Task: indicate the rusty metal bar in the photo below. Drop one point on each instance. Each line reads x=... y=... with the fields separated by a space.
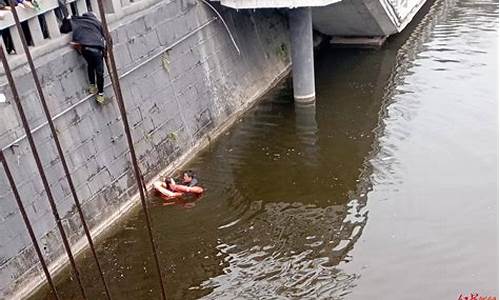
x=123 y=113
x=223 y=23
x=59 y=148
x=38 y=162
x=27 y=221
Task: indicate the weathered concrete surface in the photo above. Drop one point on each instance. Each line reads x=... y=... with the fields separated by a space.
x=173 y=103
x=245 y=4
x=365 y=18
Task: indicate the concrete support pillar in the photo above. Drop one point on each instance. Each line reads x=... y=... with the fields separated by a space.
x=81 y=6
x=52 y=24
x=95 y=7
x=301 y=37
x=36 y=31
x=16 y=40
x=126 y=3
x=115 y=6
x=110 y=6
x=69 y=10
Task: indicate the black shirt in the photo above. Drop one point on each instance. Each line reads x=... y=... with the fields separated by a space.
x=193 y=182
x=87 y=30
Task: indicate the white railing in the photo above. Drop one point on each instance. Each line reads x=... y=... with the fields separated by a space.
x=41 y=26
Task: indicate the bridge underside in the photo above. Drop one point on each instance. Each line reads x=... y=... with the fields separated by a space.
x=254 y=4
x=346 y=18
x=365 y=18
x=354 y=18
x=359 y=22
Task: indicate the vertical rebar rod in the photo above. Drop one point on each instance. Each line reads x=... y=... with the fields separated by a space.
x=39 y=166
x=27 y=222
x=60 y=151
x=137 y=172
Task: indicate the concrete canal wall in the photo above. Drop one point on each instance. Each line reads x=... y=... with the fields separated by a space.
x=176 y=102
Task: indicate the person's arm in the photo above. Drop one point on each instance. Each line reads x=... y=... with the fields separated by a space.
x=160 y=187
x=195 y=189
x=187 y=189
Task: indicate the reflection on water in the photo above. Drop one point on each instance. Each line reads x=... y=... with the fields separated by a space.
x=293 y=253
x=307 y=132
x=305 y=202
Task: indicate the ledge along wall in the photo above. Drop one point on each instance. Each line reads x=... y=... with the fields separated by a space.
x=176 y=102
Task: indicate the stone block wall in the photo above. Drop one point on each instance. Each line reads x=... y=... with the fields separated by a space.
x=173 y=101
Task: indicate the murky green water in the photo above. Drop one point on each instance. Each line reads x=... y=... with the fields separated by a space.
x=387 y=189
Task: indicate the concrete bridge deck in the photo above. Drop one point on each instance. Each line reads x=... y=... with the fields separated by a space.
x=358 y=20
x=346 y=17
x=253 y=4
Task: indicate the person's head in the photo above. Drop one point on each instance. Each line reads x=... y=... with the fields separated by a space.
x=187 y=176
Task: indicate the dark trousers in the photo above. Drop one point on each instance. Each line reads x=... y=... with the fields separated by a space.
x=95 y=66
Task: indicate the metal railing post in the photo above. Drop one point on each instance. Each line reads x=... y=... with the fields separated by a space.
x=121 y=105
x=39 y=166
x=59 y=149
x=27 y=221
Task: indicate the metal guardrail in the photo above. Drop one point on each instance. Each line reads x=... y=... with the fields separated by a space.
x=41 y=25
x=22 y=44
x=41 y=171
x=111 y=64
x=59 y=151
x=115 y=82
x=22 y=210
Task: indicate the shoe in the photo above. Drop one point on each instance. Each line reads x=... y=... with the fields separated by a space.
x=100 y=98
x=92 y=89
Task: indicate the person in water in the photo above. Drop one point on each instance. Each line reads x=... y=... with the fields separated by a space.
x=189 y=183
x=166 y=188
x=170 y=189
